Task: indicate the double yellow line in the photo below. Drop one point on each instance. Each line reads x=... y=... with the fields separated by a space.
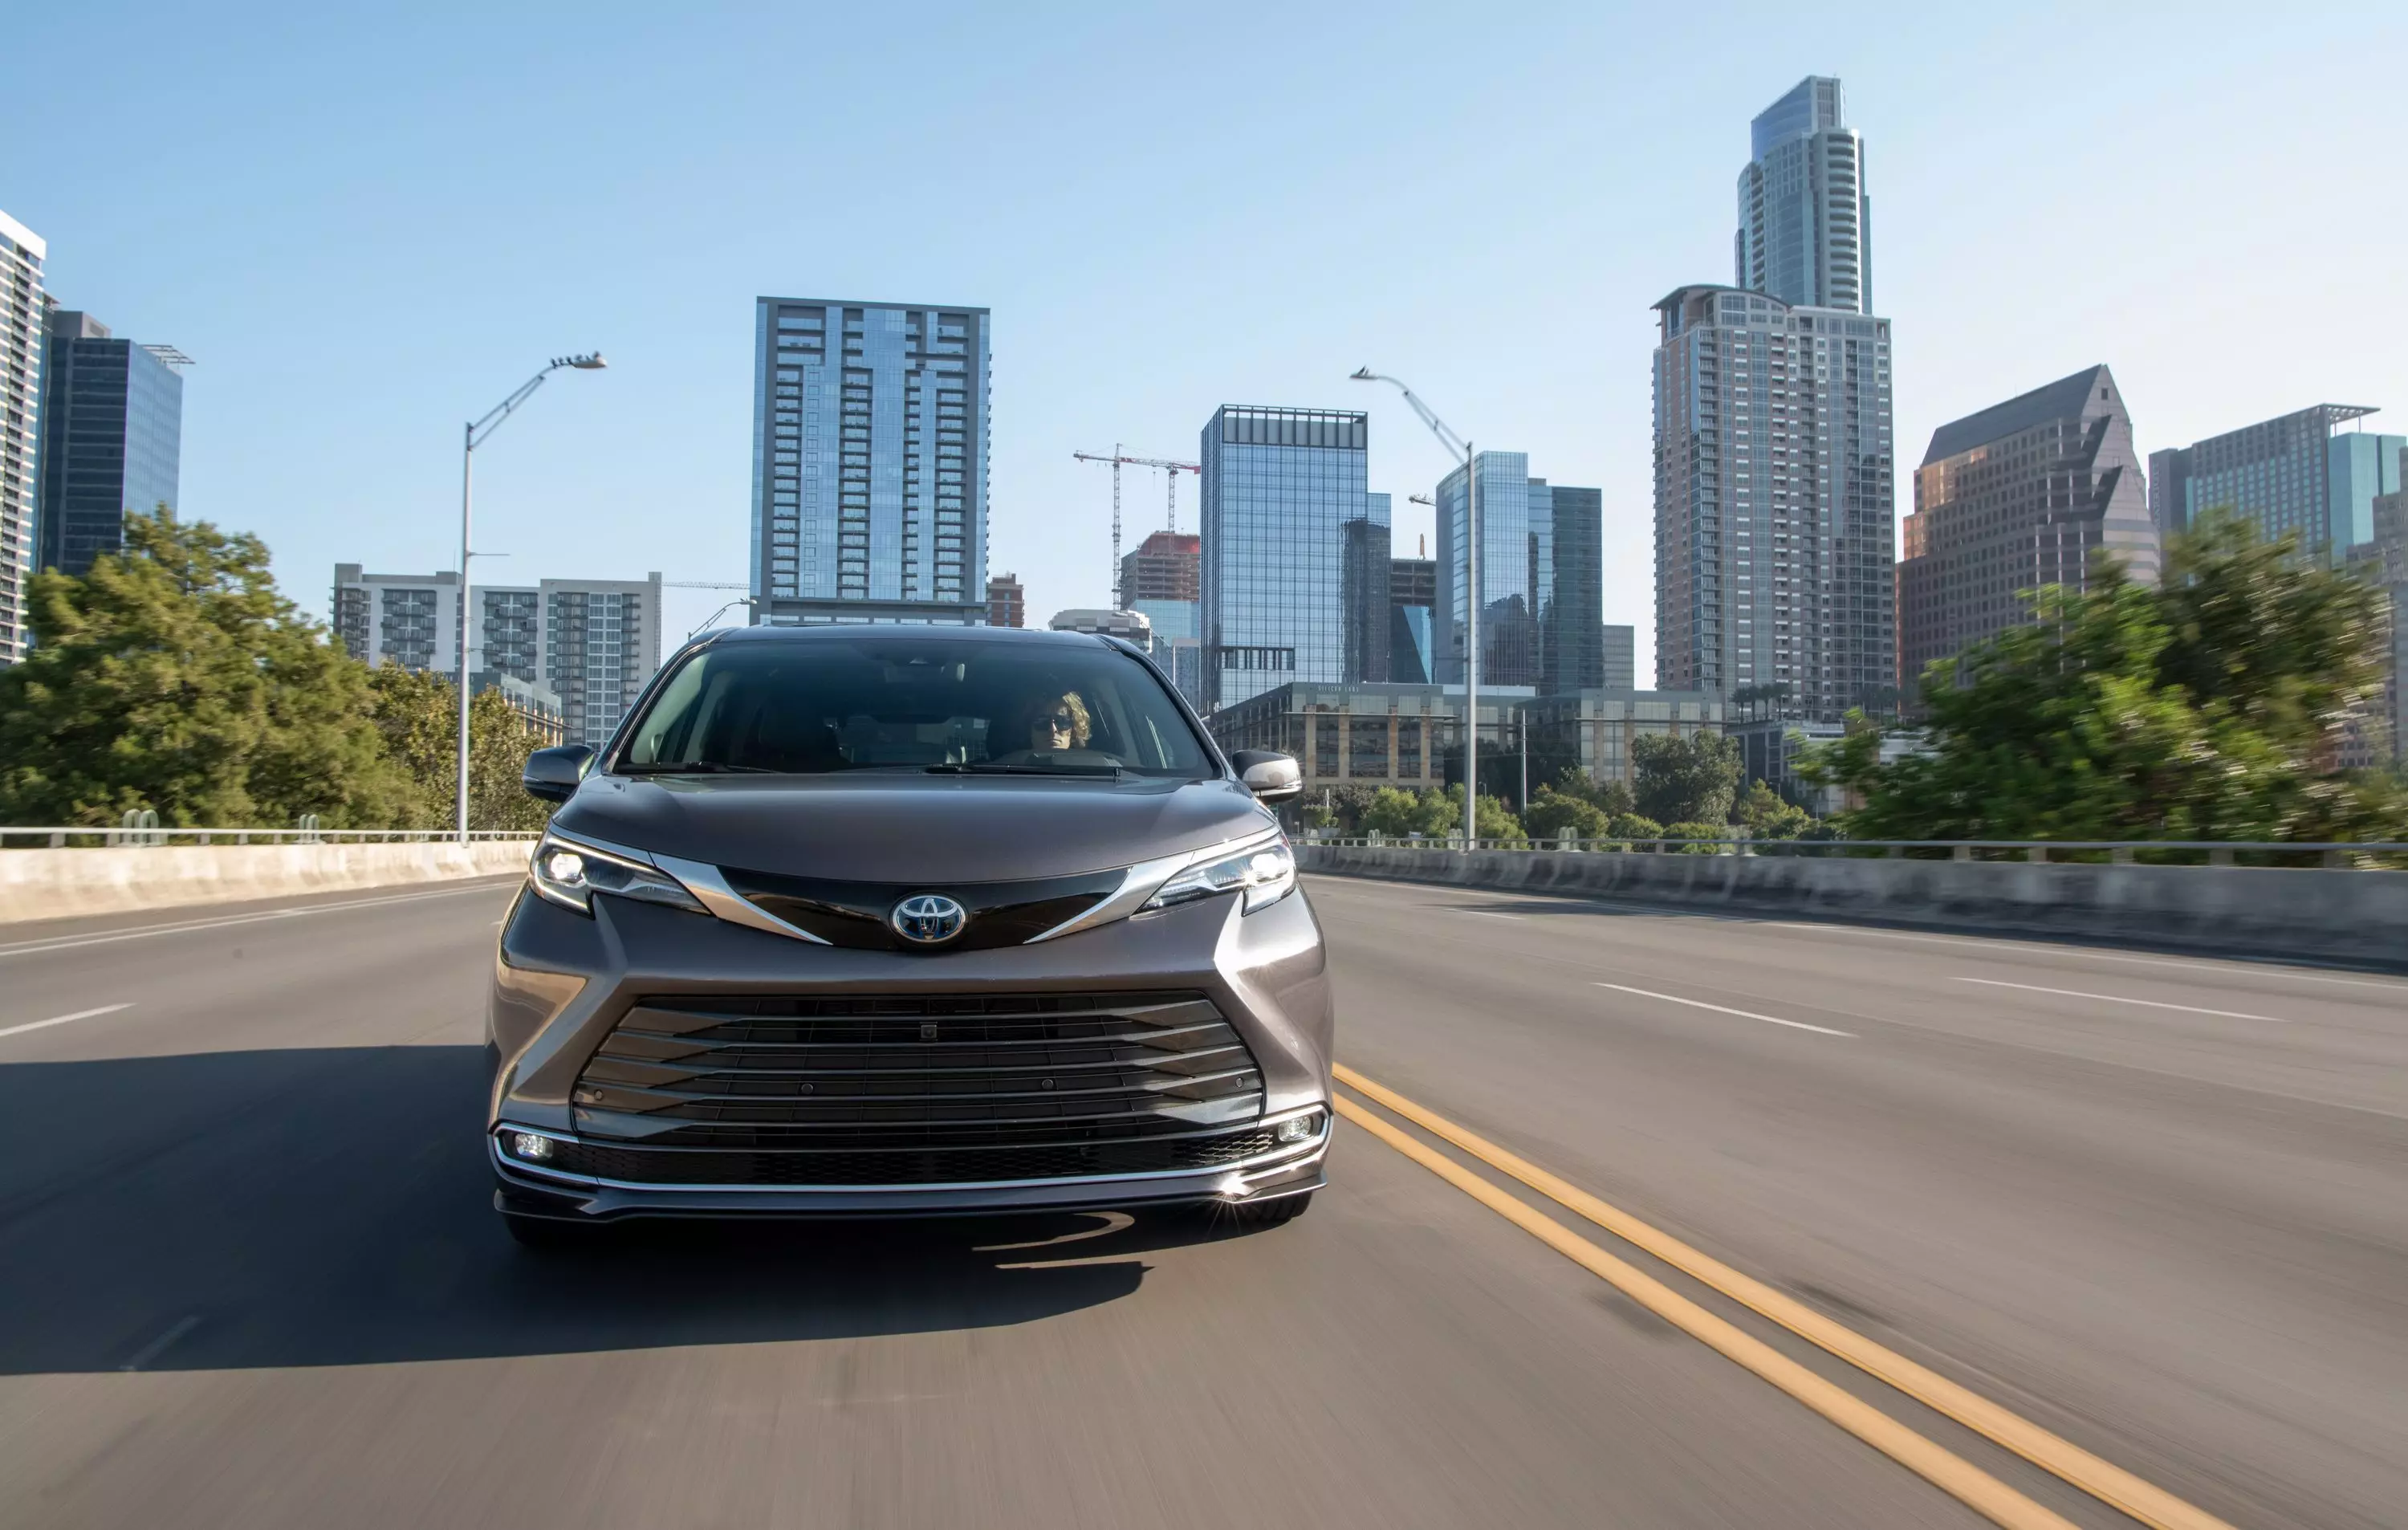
x=1950 y=1473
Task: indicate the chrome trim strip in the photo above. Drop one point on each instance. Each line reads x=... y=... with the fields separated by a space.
x=603 y=847
x=707 y=884
x=1137 y=884
x=1294 y=1154
x=1142 y=881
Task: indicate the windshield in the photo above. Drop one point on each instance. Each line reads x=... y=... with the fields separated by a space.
x=970 y=704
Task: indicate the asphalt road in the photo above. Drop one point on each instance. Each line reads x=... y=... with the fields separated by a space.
x=2156 y=1207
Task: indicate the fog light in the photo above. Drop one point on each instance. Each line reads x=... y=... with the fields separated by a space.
x=1303 y=1128
x=531 y=1147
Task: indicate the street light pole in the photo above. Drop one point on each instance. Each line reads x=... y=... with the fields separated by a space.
x=472 y=437
x=1455 y=443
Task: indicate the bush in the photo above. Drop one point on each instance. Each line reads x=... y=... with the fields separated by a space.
x=1551 y=814
x=1633 y=826
x=1698 y=831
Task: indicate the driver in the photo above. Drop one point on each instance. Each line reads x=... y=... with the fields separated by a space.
x=1057 y=721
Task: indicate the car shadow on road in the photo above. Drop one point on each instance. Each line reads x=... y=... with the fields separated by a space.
x=327 y=1207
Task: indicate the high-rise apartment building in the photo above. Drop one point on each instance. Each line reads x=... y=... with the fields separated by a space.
x=2016 y=496
x=870 y=461
x=2297 y=475
x=1007 y=603
x=1775 y=527
x=593 y=643
x=24 y=306
x=1412 y=595
x=113 y=437
x=1620 y=645
x=1542 y=579
x=1279 y=487
x=1167 y=566
x=2383 y=560
x=1805 y=221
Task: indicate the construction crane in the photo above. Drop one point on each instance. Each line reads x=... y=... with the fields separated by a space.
x=1170 y=470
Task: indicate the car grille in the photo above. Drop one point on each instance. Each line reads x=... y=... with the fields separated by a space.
x=1058 y=1078
x=946 y=1166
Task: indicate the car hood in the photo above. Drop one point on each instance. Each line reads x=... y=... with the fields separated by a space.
x=909 y=827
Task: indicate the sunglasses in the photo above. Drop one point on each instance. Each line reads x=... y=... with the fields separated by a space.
x=1063 y=721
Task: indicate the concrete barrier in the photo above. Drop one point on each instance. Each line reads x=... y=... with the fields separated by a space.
x=63 y=883
x=2354 y=916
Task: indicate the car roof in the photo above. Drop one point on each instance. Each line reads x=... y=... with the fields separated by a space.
x=895 y=631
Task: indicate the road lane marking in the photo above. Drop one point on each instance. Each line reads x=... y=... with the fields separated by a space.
x=2118 y=998
x=62 y=1020
x=1483 y=913
x=2101 y=1479
x=34 y=947
x=1744 y=1014
x=1944 y=1470
x=1111 y=1222
x=2231 y=968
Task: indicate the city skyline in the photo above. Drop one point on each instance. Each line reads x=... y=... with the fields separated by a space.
x=1364 y=275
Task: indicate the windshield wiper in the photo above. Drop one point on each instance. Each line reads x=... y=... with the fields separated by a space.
x=694 y=767
x=985 y=767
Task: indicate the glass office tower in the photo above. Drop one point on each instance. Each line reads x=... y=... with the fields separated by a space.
x=1805 y=223
x=112 y=434
x=870 y=461
x=1364 y=590
x=1510 y=573
x=1279 y=487
x=2297 y=475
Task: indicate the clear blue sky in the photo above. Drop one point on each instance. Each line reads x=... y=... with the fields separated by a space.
x=368 y=230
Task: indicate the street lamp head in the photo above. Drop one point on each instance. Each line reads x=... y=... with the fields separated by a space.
x=591 y=362
x=1364 y=373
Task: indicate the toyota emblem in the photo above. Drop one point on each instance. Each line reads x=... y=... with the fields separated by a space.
x=928 y=919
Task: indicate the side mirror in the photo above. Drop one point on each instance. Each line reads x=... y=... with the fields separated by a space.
x=1270 y=775
x=551 y=773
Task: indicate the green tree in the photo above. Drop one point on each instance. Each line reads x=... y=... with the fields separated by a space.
x=1686 y=780
x=174 y=676
x=1767 y=815
x=1697 y=831
x=1554 y=813
x=2204 y=708
x=1496 y=819
x=1634 y=826
x=417 y=715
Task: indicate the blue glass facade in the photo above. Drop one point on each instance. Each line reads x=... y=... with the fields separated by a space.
x=870 y=461
x=112 y=434
x=2292 y=475
x=1279 y=487
x=1513 y=566
x=1805 y=219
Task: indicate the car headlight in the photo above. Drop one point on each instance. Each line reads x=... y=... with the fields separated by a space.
x=569 y=874
x=1265 y=871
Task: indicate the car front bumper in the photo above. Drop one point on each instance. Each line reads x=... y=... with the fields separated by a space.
x=563 y=981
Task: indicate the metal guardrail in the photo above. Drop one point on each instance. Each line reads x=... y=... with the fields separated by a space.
x=150 y=833
x=2336 y=855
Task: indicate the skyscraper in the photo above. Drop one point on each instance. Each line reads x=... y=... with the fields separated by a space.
x=870 y=461
x=23 y=307
x=2296 y=475
x=1805 y=221
x=1364 y=592
x=1278 y=486
x=1775 y=531
x=1542 y=579
x=113 y=437
x=2013 y=497
x=1571 y=602
x=1412 y=593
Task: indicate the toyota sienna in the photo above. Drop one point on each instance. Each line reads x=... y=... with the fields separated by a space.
x=857 y=920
